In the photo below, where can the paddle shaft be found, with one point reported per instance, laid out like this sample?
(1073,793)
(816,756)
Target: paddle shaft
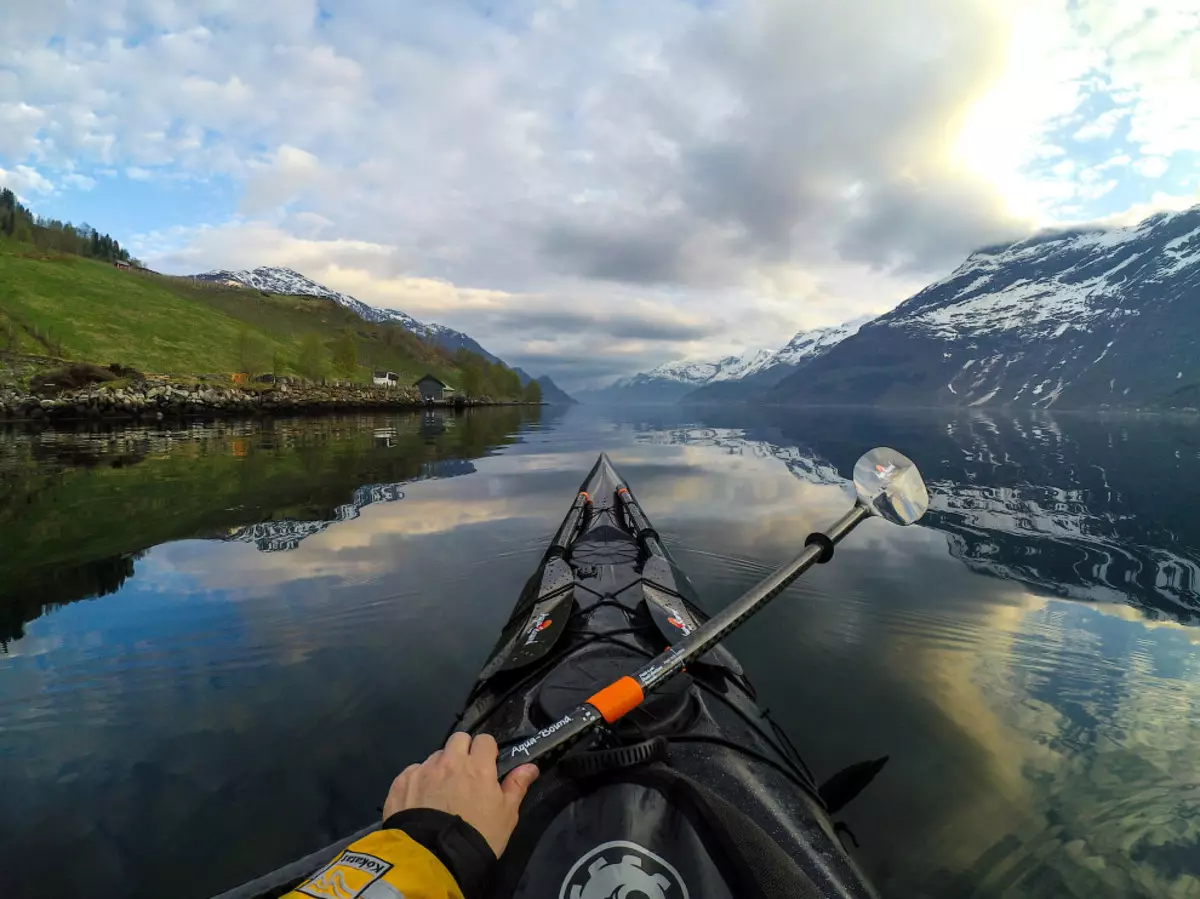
(624,695)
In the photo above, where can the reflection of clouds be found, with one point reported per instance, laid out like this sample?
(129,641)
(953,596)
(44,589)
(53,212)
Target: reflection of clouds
(1094,778)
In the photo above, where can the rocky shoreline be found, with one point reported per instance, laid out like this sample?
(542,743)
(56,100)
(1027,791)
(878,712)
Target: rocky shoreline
(158,400)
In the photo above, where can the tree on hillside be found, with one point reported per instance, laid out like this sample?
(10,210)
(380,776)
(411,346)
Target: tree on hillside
(533,392)
(251,352)
(472,381)
(510,381)
(277,364)
(314,363)
(8,335)
(345,356)
(19,224)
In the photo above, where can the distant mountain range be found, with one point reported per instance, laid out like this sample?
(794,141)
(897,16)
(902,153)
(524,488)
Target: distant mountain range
(731,379)
(551,392)
(801,351)
(1089,318)
(289,282)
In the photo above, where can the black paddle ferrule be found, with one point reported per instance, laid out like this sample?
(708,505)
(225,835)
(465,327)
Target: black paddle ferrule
(548,742)
(822,541)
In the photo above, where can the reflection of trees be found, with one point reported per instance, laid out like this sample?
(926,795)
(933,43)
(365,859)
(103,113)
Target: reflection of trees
(72,522)
(60,586)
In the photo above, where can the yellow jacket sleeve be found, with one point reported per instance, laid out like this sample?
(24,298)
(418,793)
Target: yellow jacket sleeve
(385,864)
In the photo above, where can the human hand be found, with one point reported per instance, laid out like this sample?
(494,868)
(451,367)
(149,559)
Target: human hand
(461,780)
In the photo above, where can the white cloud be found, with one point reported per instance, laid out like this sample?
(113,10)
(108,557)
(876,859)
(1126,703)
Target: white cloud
(1103,126)
(25,181)
(79,182)
(1158,202)
(1152,166)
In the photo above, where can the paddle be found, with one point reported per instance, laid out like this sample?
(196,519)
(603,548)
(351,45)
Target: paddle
(887,485)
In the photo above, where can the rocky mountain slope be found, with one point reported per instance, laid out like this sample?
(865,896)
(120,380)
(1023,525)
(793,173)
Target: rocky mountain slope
(1088,318)
(292,283)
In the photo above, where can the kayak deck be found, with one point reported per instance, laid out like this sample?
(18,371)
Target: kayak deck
(606,598)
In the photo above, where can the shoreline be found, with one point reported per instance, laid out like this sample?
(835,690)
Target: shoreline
(158,400)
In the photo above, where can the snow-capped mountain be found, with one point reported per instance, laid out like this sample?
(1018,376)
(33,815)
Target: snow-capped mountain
(731,378)
(811,344)
(1087,318)
(772,367)
(291,283)
(694,373)
(669,382)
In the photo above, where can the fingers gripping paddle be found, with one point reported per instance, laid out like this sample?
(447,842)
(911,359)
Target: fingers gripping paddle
(887,485)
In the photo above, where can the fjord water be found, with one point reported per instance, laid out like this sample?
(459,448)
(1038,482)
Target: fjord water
(221,642)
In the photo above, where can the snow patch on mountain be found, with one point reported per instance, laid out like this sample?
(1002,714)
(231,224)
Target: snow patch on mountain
(804,345)
(289,282)
(1051,283)
(695,373)
(817,342)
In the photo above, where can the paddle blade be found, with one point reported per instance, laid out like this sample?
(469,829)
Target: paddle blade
(888,483)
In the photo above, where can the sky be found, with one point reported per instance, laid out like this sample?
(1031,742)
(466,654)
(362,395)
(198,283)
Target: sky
(593,187)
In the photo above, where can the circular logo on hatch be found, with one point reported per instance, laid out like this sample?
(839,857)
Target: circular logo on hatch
(622,870)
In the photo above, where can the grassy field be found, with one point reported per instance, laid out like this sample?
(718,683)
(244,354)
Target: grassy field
(80,309)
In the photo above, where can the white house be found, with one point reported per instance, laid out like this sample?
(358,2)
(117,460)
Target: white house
(385,379)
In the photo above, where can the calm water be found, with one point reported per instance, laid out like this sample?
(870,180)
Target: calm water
(219,644)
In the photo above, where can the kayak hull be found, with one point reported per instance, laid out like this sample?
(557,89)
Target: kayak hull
(701,740)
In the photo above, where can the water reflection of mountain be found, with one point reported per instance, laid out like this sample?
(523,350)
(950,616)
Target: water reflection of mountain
(77,509)
(286,534)
(1084,508)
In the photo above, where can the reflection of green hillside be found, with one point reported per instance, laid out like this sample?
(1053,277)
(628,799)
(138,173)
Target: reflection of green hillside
(75,511)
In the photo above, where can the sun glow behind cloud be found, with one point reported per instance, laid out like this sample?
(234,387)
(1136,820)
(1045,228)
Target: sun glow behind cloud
(1008,127)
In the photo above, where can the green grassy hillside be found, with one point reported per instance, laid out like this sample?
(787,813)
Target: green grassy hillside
(81,309)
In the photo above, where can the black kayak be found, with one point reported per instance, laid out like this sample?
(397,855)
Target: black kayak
(695,793)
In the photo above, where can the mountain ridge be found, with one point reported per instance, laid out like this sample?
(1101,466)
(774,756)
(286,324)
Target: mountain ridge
(798,352)
(282,280)
(1083,318)
(730,378)
(287,281)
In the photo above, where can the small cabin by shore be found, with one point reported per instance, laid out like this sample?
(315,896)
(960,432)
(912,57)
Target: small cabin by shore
(385,379)
(434,389)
